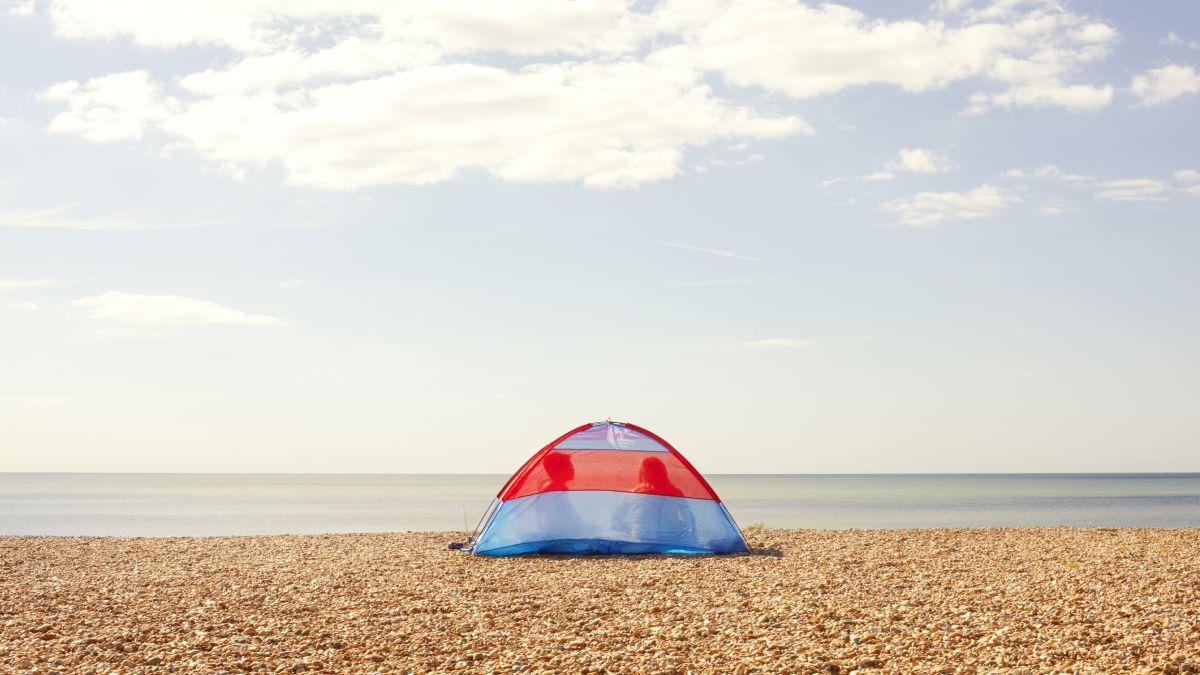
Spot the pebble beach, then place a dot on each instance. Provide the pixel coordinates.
(805, 601)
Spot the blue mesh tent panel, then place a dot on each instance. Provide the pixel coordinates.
(602, 521)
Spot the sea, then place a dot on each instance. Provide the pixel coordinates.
(243, 504)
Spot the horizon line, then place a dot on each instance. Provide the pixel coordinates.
(712, 473)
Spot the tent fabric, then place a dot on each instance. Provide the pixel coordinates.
(621, 470)
(608, 487)
(609, 436)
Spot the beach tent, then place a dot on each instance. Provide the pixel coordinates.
(608, 487)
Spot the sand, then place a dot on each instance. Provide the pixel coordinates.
(973, 600)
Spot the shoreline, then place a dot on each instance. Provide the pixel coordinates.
(1043, 599)
(461, 535)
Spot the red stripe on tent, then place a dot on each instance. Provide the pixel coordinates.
(658, 473)
(678, 454)
(529, 463)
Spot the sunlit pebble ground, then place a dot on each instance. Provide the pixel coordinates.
(986, 600)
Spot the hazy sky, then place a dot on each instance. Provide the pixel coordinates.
(409, 237)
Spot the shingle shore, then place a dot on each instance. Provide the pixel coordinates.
(971, 600)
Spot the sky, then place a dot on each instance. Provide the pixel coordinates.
(361, 236)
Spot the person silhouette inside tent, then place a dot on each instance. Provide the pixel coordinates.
(559, 472)
(557, 517)
(655, 520)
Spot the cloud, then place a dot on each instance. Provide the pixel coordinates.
(912, 160)
(22, 8)
(780, 343)
(1133, 190)
(607, 93)
(23, 305)
(290, 283)
(1052, 209)
(807, 51)
(108, 108)
(740, 161)
(28, 284)
(1075, 98)
(709, 251)
(609, 125)
(1191, 178)
(833, 181)
(1162, 85)
(1172, 40)
(1048, 171)
(58, 218)
(166, 311)
(1187, 176)
(453, 26)
(928, 209)
(920, 160)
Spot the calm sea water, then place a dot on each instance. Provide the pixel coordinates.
(207, 504)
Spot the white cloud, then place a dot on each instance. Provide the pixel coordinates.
(28, 284)
(920, 160)
(1172, 40)
(1161, 85)
(454, 26)
(949, 6)
(23, 305)
(1075, 97)
(22, 8)
(166, 311)
(1052, 209)
(833, 181)
(1049, 171)
(609, 125)
(398, 93)
(879, 176)
(780, 343)
(59, 218)
(108, 108)
(290, 283)
(1191, 180)
(740, 161)
(806, 51)
(1133, 190)
(928, 209)
(709, 251)
(912, 160)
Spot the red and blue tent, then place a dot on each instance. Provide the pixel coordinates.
(608, 487)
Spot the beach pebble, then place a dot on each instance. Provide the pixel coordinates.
(806, 601)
